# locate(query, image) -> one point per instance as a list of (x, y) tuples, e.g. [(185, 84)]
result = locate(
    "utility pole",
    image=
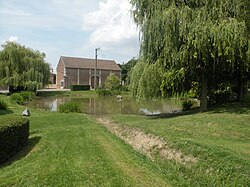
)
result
[(96, 54)]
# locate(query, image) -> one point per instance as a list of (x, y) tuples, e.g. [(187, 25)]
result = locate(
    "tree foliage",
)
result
[(126, 69), (206, 40), (23, 67), (112, 82), (148, 80)]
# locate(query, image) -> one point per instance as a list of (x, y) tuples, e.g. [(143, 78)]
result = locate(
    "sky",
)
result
[(72, 28)]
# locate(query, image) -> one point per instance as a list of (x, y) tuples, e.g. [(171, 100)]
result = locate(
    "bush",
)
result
[(112, 82), (3, 105), (222, 94), (123, 88), (80, 87), (14, 134), (17, 98), (70, 107), (104, 92), (22, 97), (27, 96), (187, 104)]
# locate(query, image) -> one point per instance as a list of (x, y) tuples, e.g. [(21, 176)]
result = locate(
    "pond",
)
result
[(110, 105)]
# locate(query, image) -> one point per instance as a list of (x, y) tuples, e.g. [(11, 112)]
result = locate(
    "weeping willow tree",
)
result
[(148, 78), (205, 41), (23, 67)]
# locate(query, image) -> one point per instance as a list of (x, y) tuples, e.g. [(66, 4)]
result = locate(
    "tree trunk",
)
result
[(203, 106)]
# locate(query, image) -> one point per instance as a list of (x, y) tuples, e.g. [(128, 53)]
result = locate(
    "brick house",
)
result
[(81, 71)]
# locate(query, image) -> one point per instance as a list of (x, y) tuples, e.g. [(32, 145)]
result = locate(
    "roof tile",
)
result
[(74, 62)]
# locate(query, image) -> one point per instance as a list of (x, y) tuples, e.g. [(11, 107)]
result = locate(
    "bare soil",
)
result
[(147, 144)]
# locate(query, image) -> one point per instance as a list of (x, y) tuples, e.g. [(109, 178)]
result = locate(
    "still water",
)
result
[(110, 105)]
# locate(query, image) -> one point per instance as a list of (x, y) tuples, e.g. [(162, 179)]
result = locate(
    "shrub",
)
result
[(222, 95), (123, 88), (80, 87), (70, 107), (17, 98), (27, 96), (14, 134), (104, 92), (22, 97), (187, 104), (3, 105), (112, 82)]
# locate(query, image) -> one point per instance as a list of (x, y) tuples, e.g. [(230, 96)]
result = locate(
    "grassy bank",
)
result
[(219, 139), (73, 150), (85, 93)]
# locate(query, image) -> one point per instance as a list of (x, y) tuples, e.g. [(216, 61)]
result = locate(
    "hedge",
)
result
[(14, 134), (80, 87)]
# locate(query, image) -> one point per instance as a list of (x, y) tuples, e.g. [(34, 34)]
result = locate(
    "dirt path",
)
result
[(146, 143)]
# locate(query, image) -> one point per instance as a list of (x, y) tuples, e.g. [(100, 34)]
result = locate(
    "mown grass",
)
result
[(219, 139), (73, 150)]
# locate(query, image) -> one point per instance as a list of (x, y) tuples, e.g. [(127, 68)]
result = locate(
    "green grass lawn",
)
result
[(219, 139), (73, 150)]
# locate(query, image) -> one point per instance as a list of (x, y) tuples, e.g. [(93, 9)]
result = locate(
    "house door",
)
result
[(93, 82)]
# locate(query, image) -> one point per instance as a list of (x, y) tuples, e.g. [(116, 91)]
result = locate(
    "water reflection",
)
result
[(110, 105)]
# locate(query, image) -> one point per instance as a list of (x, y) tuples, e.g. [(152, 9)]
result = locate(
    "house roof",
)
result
[(86, 63)]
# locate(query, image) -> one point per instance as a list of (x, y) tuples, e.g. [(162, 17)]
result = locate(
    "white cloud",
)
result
[(13, 39), (56, 27), (111, 24)]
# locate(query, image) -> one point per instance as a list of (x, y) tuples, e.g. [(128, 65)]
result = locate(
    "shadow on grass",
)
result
[(32, 142), (4, 112), (33, 132), (174, 114), (232, 108)]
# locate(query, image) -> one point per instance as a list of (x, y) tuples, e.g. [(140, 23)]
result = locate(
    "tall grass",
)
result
[(3, 105), (70, 107)]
